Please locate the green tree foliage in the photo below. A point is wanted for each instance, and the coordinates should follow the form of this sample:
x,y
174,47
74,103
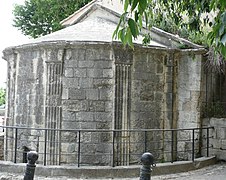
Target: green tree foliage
x,y
183,17
40,17
186,18
2,96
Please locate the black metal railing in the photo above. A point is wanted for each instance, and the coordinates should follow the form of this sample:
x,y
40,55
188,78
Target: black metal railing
x,y
88,147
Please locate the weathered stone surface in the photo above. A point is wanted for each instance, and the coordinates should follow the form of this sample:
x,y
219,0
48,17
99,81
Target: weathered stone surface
x,y
90,86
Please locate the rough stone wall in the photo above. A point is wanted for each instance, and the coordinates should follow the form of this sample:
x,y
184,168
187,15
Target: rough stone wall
x,y
148,94
189,87
25,97
189,90
148,81
99,86
217,141
87,102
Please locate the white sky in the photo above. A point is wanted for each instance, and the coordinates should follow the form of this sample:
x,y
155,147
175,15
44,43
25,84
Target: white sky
x,y
9,35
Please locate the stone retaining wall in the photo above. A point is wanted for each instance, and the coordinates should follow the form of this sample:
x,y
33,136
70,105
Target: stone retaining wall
x,y
217,136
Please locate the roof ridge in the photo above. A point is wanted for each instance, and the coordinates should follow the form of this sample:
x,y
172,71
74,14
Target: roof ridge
x,y
78,11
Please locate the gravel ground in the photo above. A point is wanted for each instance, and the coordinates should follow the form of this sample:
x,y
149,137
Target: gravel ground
x,y
215,172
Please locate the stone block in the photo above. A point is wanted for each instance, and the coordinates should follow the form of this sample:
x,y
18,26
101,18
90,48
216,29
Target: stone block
x,y
103,125
108,73
105,94
104,148
69,72
86,83
195,95
103,116
75,105
78,54
102,83
88,148
70,124
108,106
94,54
145,106
216,144
80,72
68,115
70,159
71,63
102,64
95,73
65,93
147,96
184,135
77,94
70,83
69,137
221,133
85,64
72,147
141,75
96,106
86,137
87,125
85,116
186,106
92,94
68,54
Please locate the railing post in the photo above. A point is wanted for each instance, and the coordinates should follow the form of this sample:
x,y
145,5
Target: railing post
x,y
172,147
147,160
32,157
193,145
79,147
45,147
15,145
113,149
207,143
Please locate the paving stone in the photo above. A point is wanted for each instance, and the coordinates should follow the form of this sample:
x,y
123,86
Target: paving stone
x,y
216,172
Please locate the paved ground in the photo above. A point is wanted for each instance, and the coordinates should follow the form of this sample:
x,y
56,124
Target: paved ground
x,y
215,172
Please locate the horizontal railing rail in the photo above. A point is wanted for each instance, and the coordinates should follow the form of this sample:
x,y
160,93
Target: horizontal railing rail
x,y
104,147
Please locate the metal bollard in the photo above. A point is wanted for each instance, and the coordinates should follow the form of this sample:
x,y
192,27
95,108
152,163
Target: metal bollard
x,y
147,160
32,157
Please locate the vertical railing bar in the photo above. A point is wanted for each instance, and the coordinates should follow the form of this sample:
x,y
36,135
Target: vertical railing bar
x,y
15,145
172,148
207,143
45,147
79,144
193,145
113,150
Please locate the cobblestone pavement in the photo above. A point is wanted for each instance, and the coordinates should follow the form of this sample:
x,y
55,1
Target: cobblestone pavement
x,y
215,172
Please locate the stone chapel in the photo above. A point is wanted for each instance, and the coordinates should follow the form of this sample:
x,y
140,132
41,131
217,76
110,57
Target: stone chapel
x,y
81,78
